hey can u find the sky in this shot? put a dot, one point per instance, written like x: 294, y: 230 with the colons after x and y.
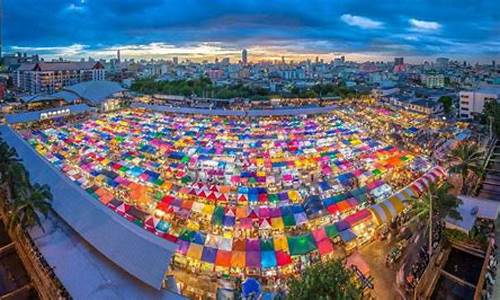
x: 204, y: 29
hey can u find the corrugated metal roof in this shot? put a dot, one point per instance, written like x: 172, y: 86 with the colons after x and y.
x: 98, y: 277
x: 95, y: 91
x: 38, y: 98
x: 31, y: 116
x: 141, y: 254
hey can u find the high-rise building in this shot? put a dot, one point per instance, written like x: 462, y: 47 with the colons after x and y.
x: 442, y: 62
x: 244, y: 56
x: 175, y: 60
x: 399, y: 65
x: 118, y: 58
x: 399, y: 61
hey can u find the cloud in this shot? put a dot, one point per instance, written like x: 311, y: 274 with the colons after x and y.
x: 74, y: 7
x: 64, y: 51
x: 419, y: 25
x: 362, y: 22
x: 298, y: 27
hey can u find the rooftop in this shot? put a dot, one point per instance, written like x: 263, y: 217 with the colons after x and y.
x: 59, y: 66
x: 94, y: 91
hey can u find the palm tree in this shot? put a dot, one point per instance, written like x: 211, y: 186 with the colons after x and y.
x: 13, y: 175
x: 438, y: 203
x: 443, y: 203
x: 28, y: 206
x: 8, y: 156
x: 466, y: 160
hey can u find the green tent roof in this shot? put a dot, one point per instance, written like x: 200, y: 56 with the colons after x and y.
x: 288, y: 220
x: 301, y: 244
x: 331, y: 230
x: 266, y: 245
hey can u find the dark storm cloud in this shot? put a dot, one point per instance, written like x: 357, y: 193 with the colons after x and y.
x: 461, y: 28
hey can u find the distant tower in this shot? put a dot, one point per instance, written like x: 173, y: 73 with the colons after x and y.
x: 175, y: 60
x: 399, y: 61
x: 399, y: 65
x: 118, y: 55
x: 244, y: 56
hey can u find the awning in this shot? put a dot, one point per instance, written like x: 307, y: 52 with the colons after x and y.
x: 268, y: 259
x: 385, y: 211
x: 347, y: 235
x: 301, y: 244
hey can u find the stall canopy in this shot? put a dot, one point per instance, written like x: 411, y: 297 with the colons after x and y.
x: 301, y: 244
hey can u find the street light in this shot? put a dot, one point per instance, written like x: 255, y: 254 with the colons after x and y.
x: 491, y: 127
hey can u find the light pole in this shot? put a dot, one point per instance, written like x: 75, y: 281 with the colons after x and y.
x: 491, y: 127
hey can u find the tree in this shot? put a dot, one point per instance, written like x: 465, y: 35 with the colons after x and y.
x: 491, y: 113
x: 27, y: 202
x: 447, y: 102
x: 465, y: 159
x: 443, y: 203
x: 13, y: 176
x: 27, y: 208
x: 8, y: 156
x: 436, y: 202
x: 328, y: 280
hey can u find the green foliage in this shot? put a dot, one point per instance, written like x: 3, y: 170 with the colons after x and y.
x: 325, y: 281
x: 465, y: 159
x: 203, y: 87
x: 443, y: 203
x: 474, y: 237
x: 492, y: 110
x: 27, y: 202
x: 447, y: 102
x: 27, y: 208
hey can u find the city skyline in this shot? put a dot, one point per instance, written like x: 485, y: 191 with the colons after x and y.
x: 360, y: 30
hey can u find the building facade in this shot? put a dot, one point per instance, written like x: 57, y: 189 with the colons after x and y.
x: 433, y: 80
x: 472, y: 102
x: 49, y: 77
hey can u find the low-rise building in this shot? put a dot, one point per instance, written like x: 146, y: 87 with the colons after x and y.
x: 49, y: 77
x: 433, y: 80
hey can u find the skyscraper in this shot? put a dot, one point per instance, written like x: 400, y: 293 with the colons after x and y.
x: 118, y: 56
x: 399, y: 61
x: 244, y: 56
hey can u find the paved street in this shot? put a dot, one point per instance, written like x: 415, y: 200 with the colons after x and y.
x: 384, y: 277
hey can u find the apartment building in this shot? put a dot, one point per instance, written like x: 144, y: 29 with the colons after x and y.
x: 472, y: 102
x: 50, y: 77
